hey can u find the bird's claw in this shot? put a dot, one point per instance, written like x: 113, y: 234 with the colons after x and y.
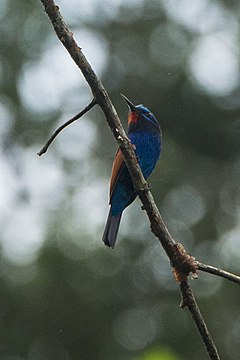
x: 148, y: 187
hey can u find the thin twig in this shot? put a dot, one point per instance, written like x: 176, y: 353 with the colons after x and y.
x: 60, y: 128
x: 219, y: 272
x: 189, y: 301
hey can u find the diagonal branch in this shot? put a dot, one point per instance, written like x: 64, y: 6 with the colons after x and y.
x: 63, y: 126
x: 182, y: 262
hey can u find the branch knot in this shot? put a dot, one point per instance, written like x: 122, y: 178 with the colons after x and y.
x: 183, y: 264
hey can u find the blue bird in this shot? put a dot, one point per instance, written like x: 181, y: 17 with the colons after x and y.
x: 144, y: 133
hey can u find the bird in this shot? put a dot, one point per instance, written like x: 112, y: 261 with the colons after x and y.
x: 145, y: 135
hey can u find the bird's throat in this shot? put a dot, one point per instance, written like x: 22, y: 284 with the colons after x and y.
x: 132, y: 117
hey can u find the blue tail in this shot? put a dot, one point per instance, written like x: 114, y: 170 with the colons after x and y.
x: 111, y: 229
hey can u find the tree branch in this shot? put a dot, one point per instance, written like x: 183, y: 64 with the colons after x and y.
x: 63, y: 126
x: 180, y: 260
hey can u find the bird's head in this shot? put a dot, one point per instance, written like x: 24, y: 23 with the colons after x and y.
x: 140, y: 118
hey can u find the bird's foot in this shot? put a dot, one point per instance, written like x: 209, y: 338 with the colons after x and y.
x: 143, y: 190
x: 148, y: 187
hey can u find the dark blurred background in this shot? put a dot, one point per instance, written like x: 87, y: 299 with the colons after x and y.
x: 63, y: 294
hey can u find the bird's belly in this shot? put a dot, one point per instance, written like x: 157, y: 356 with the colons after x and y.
x: 148, y: 151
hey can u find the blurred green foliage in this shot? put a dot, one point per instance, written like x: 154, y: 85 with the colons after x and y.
x: 159, y: 354
x: 63, y: 294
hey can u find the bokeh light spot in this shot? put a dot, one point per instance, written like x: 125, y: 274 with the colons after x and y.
x: 214, y: 64
x: 134, y: 329
x: 185, y: 204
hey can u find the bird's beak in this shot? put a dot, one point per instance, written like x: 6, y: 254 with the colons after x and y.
x: 130, y: 104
